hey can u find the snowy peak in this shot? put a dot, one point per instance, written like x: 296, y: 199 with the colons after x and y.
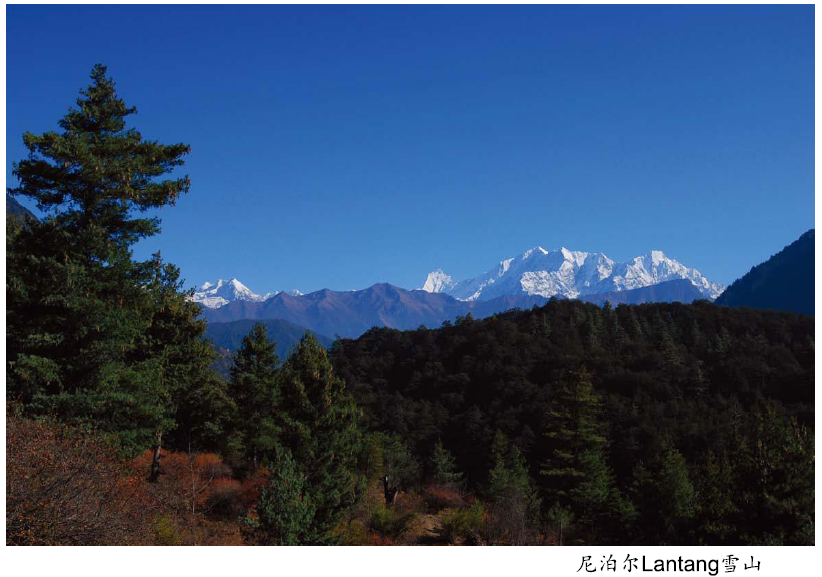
x: 654, y: 268
x: 570, y: 274
x: 217, y: 294
x: 437, y: 282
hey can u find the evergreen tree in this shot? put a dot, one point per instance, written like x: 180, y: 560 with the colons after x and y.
x: 78, y: 306
x: 319, y: 426
x: 515, y: 502
x: 574, y: 440
x: 444, y: 467
x: 675, y: 494
x: 665, y: 496
x: 253, y: 387
x: 400, y: 468
x: 714, y: 504
x: 285, y: 511
x: 370, y: 461
x: 593, y: 490
x: 201, y: 408
x: 777, y: 478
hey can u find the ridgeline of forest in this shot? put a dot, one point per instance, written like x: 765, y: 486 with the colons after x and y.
x: 653, y: 423
x: 568, y: 423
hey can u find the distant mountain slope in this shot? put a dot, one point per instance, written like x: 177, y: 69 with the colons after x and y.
x: 230, y: 335
x: 784, y: 282
x: 680, y: 290
x: 351, y: 313
x: 14, y: 208
x: 570, y: 274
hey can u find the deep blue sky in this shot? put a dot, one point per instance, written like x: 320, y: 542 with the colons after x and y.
x: 342, y: 146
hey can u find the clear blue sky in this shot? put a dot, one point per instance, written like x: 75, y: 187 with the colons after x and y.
x: 342, y: 146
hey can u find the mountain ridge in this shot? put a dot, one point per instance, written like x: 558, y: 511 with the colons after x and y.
x: 569, y: 274
x: 351, y: 313
x: 784, y: 282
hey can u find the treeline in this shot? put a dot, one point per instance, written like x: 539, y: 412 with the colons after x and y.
x: 657, y: 423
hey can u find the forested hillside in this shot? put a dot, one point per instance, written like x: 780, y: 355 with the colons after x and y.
x: 657, y: 423
x: 784, y: 282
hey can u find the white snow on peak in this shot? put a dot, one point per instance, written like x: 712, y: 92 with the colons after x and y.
x: 568, y: 273
x: 217, y: 294
x: 437, y: 282
x: 535, y: 250
x: 657, y: 256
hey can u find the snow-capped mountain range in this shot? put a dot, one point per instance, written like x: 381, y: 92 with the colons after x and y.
x: 571, y: 274
x: 217, y: 294
x: 536, y: 272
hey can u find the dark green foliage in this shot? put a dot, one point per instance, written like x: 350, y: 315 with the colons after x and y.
x: 389, y: 522
x: 665, y: 498
x: 200, y: 406
x: 574, y: 470
x: 715, y: 484
x: 285, y: 510
x: 777, y: 478
x: 383, y: 454
x: 318, y: 425
x: 79, y: 309
x: 675, y: 489
x: 370, y: 459
x: 254, y: 389
x: 669, y: 384
x: 515, y: 504
x: 444, y: 467
x: 464, y: 525
x: 398, y: 462
x: 784, y: 282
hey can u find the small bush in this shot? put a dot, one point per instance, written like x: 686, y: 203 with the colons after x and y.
x: 438, y: 498
x: 390, y: 523
x: 354, y: 532
x: 225, y: 499
x: 166, y: 532
x: 464, y: 525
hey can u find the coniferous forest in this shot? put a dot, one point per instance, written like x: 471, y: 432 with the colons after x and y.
x: 569, y: 423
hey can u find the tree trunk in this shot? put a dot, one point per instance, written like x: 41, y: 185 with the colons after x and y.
x: 389, y: 491
x: 155, y: 462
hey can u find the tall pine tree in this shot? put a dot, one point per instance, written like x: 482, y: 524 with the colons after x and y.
x: 575, y: 475
x: 253, y: 388
x: 78, y: 305
x: 319, y: 428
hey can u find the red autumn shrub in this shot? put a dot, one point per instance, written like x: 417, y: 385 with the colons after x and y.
x: 251, y: 487
x: 438, y: 498
x: 375, y: 539
x: 185, y: 479
x: 225, y: 499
